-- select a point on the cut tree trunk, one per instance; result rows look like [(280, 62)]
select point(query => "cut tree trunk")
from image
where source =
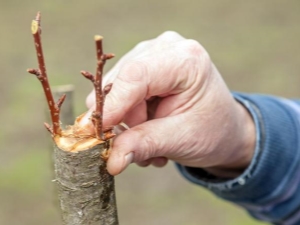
[(86, 190)]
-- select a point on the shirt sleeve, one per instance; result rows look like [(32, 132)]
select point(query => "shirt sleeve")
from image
[(270, 187)]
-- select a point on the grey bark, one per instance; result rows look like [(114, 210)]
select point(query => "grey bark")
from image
[(86, 190), (67, 117)]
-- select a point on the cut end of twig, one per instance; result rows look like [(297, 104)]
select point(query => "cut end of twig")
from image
[(34, 26), (98, 38)]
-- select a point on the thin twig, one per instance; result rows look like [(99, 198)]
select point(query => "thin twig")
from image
[(41, 74), (97, 115)]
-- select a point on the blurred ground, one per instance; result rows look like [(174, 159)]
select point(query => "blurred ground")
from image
[(253, 43)]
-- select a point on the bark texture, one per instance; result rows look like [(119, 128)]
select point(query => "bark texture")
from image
[(86, 189)]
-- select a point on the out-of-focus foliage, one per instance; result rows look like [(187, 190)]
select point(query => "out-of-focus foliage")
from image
[(253, 43)]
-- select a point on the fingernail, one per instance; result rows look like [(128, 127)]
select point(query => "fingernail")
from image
[(120, 128), (128, 159)]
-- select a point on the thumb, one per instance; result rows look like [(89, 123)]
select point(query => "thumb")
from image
[(129, 90), (154, 138)]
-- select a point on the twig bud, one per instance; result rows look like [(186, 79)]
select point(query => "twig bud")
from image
[(61, 100), (88, 75)]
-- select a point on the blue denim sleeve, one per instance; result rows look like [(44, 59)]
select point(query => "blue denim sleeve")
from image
[(270, 187)]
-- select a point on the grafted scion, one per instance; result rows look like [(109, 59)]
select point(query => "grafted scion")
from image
[(86, 189), (41, 74), (97, 115), (54, 107)]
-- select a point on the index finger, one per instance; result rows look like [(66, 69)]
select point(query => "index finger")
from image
[(129, 89), (161, 73)]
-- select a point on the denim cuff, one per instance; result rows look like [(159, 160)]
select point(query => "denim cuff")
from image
[(270, 187)]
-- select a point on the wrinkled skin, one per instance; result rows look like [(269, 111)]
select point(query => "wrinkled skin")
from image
[(170, 94)]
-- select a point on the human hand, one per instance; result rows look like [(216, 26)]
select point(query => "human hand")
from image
[(170, 94)]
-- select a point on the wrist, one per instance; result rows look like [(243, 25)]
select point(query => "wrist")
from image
[(242, 148)]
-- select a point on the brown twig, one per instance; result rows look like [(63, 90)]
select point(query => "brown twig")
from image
[(41, 74), (97, 115)]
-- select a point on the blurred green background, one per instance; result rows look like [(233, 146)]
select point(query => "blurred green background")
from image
[(253, 43)]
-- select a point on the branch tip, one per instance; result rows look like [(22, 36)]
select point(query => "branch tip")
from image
[(98, 38), (34, 26), (38, 16)]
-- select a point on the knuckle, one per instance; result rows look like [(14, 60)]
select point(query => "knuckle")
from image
[(142, 45), (195, 52), (170, 35), (193, 47), (148, 146)]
